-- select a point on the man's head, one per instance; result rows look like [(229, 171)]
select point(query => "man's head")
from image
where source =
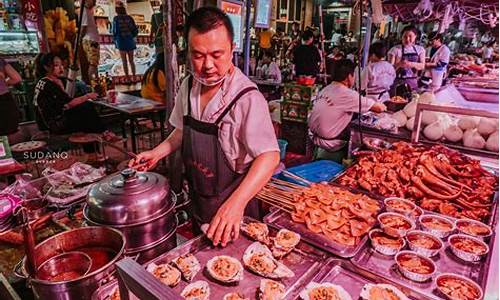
[(377, 51), (89, 3), (307, 37), (210, 35), (343, 71), (436, 40), (409, 35)]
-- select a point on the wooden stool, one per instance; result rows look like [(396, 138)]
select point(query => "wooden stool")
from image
[(80, 139), (26, 149)]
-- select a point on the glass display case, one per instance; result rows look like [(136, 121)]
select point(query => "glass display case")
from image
[(18, 42)]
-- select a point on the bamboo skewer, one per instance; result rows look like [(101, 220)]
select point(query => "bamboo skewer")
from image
[(276, 204)]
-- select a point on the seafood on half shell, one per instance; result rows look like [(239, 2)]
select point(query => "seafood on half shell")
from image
[(381, 292), (324, 291), (284, 242), (271, 290), (165, 273), (256, 231), (188, 265), (225, 269), (234, 296), (198, 290), (259, 259)]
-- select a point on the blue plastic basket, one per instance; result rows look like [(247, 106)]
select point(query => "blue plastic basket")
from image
[(317, 171), (282, 144)]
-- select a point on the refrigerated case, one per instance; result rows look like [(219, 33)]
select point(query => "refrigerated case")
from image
[(18, 42)]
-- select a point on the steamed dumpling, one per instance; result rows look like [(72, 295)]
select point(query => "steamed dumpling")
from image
[(400, 118), (487, 126), (453, 133), (434, 131), (429, 117), (492, 142), (468, 122), (410, 123), (427, 98), (410, 109), (473, 139)]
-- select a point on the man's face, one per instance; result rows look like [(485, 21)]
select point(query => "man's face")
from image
[(210, 53), (435, 43), (408, 37)]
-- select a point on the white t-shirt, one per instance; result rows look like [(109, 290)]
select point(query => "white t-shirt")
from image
[(245, 132), (397, 52), (336, 38), (89, 21), (376, 78), (332, 112)]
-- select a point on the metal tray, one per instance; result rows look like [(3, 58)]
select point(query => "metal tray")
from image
[(385, 266), (305, 261), (345, 274), (282, 219)]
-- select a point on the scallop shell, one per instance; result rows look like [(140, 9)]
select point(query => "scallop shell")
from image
[(365, 292), (200, 284), (265, 255), (343, 294), (163, 269), (275, 290), (234, 296), (188, 265), (284, 242), (233, 278), (257, 231)]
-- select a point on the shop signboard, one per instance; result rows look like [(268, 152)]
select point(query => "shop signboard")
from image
[(234, 9), (263, 13), (32, 15)]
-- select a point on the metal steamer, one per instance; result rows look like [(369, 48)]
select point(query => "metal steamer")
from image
[(141, 206)]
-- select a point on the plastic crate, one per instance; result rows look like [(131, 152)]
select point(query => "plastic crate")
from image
[(317, 171)]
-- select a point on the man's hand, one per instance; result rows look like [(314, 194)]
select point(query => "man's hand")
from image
[(225, 225), (378, 107), (145, 161)]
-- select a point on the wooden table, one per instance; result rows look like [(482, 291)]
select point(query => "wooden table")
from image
[(131, 108)]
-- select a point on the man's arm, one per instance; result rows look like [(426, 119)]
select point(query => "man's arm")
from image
[(228, 217)]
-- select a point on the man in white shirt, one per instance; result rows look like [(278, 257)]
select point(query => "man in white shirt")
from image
[(336, 36), (223, 126), (333, 110), (439, 58), (378, 76), (90, 38)]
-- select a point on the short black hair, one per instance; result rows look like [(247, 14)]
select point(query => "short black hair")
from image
[(410, 28), (308, 34), (341, 69), (208, 18), (44, 61), (378, 49), (436, 36)]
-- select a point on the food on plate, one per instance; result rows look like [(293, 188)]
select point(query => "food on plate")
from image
[(225, 269), (435, 178), (385, 243), (415, 266), (234, 296), (399, 205), (257, 231), (198, 290), (473, 228), (188, 265), (271, 290), (434, 131), (340, 215), (259, 259), (457, 287), (284, 242), (165, 273), (324, 291), (439, 226), (467, 248), (395, 224), (381, 292), (453, 133)]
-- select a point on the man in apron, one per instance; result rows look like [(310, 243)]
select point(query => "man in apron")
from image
[(407, 59), (439, 59), (223, 125)]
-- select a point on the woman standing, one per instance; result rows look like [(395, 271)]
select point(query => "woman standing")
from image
[(407, 58), (9, 113), (124, 33)]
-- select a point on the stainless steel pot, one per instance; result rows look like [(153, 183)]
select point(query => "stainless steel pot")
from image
[(140, 205), (79, 239)]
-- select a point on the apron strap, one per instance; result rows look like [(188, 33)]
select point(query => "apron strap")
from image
[(233, 102), (190, 86)]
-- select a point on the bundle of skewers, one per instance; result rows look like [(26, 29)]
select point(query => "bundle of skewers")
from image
[(281, 194)]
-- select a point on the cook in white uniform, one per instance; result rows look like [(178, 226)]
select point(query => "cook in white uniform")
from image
[(378, 76), (335, 106), (436, 67)]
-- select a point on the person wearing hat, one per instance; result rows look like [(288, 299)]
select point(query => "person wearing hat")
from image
[(439, 58), (223, 128)]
